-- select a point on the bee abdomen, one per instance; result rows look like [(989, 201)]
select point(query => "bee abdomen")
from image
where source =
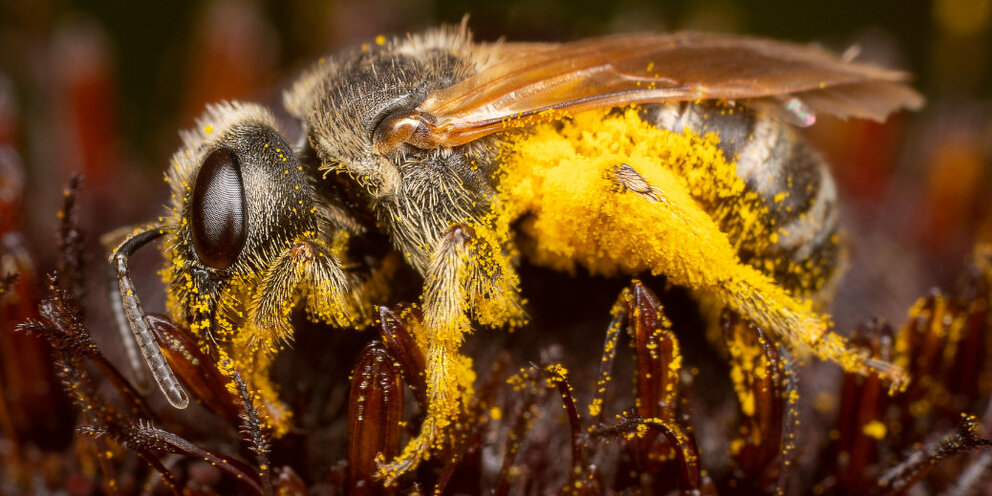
[(796, 241)]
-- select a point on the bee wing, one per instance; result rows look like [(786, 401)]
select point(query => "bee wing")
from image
[(532, 82)]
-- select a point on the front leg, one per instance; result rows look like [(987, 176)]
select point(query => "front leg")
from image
[(308, 269)]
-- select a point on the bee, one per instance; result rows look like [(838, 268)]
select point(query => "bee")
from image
[(673, 154)]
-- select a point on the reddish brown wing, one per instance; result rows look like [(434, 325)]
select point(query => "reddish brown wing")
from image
[(545, 82)]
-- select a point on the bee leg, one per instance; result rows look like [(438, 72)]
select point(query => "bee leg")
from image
[(131, 317), (307, 266), (449, 375), (713, 267), (642, 217)]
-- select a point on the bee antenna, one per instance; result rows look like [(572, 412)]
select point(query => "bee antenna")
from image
[(139, 373), (127, 303)]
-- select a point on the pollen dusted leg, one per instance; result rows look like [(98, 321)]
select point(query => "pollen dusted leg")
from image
[(306, 267), (651, 223), (449, 375)]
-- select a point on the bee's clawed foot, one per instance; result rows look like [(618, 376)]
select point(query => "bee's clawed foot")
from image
[(415, 451)]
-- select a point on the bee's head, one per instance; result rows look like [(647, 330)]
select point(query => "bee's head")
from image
[(239, 197)]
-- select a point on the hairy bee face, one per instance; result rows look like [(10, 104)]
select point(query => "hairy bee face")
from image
[(240, 197), (246, 239)]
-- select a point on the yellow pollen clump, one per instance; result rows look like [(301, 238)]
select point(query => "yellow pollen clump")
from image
[(614, 194)]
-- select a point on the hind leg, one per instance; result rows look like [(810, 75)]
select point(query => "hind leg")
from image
[(616, 217)]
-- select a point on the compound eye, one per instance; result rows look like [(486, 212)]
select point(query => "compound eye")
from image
[(217, 211)]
